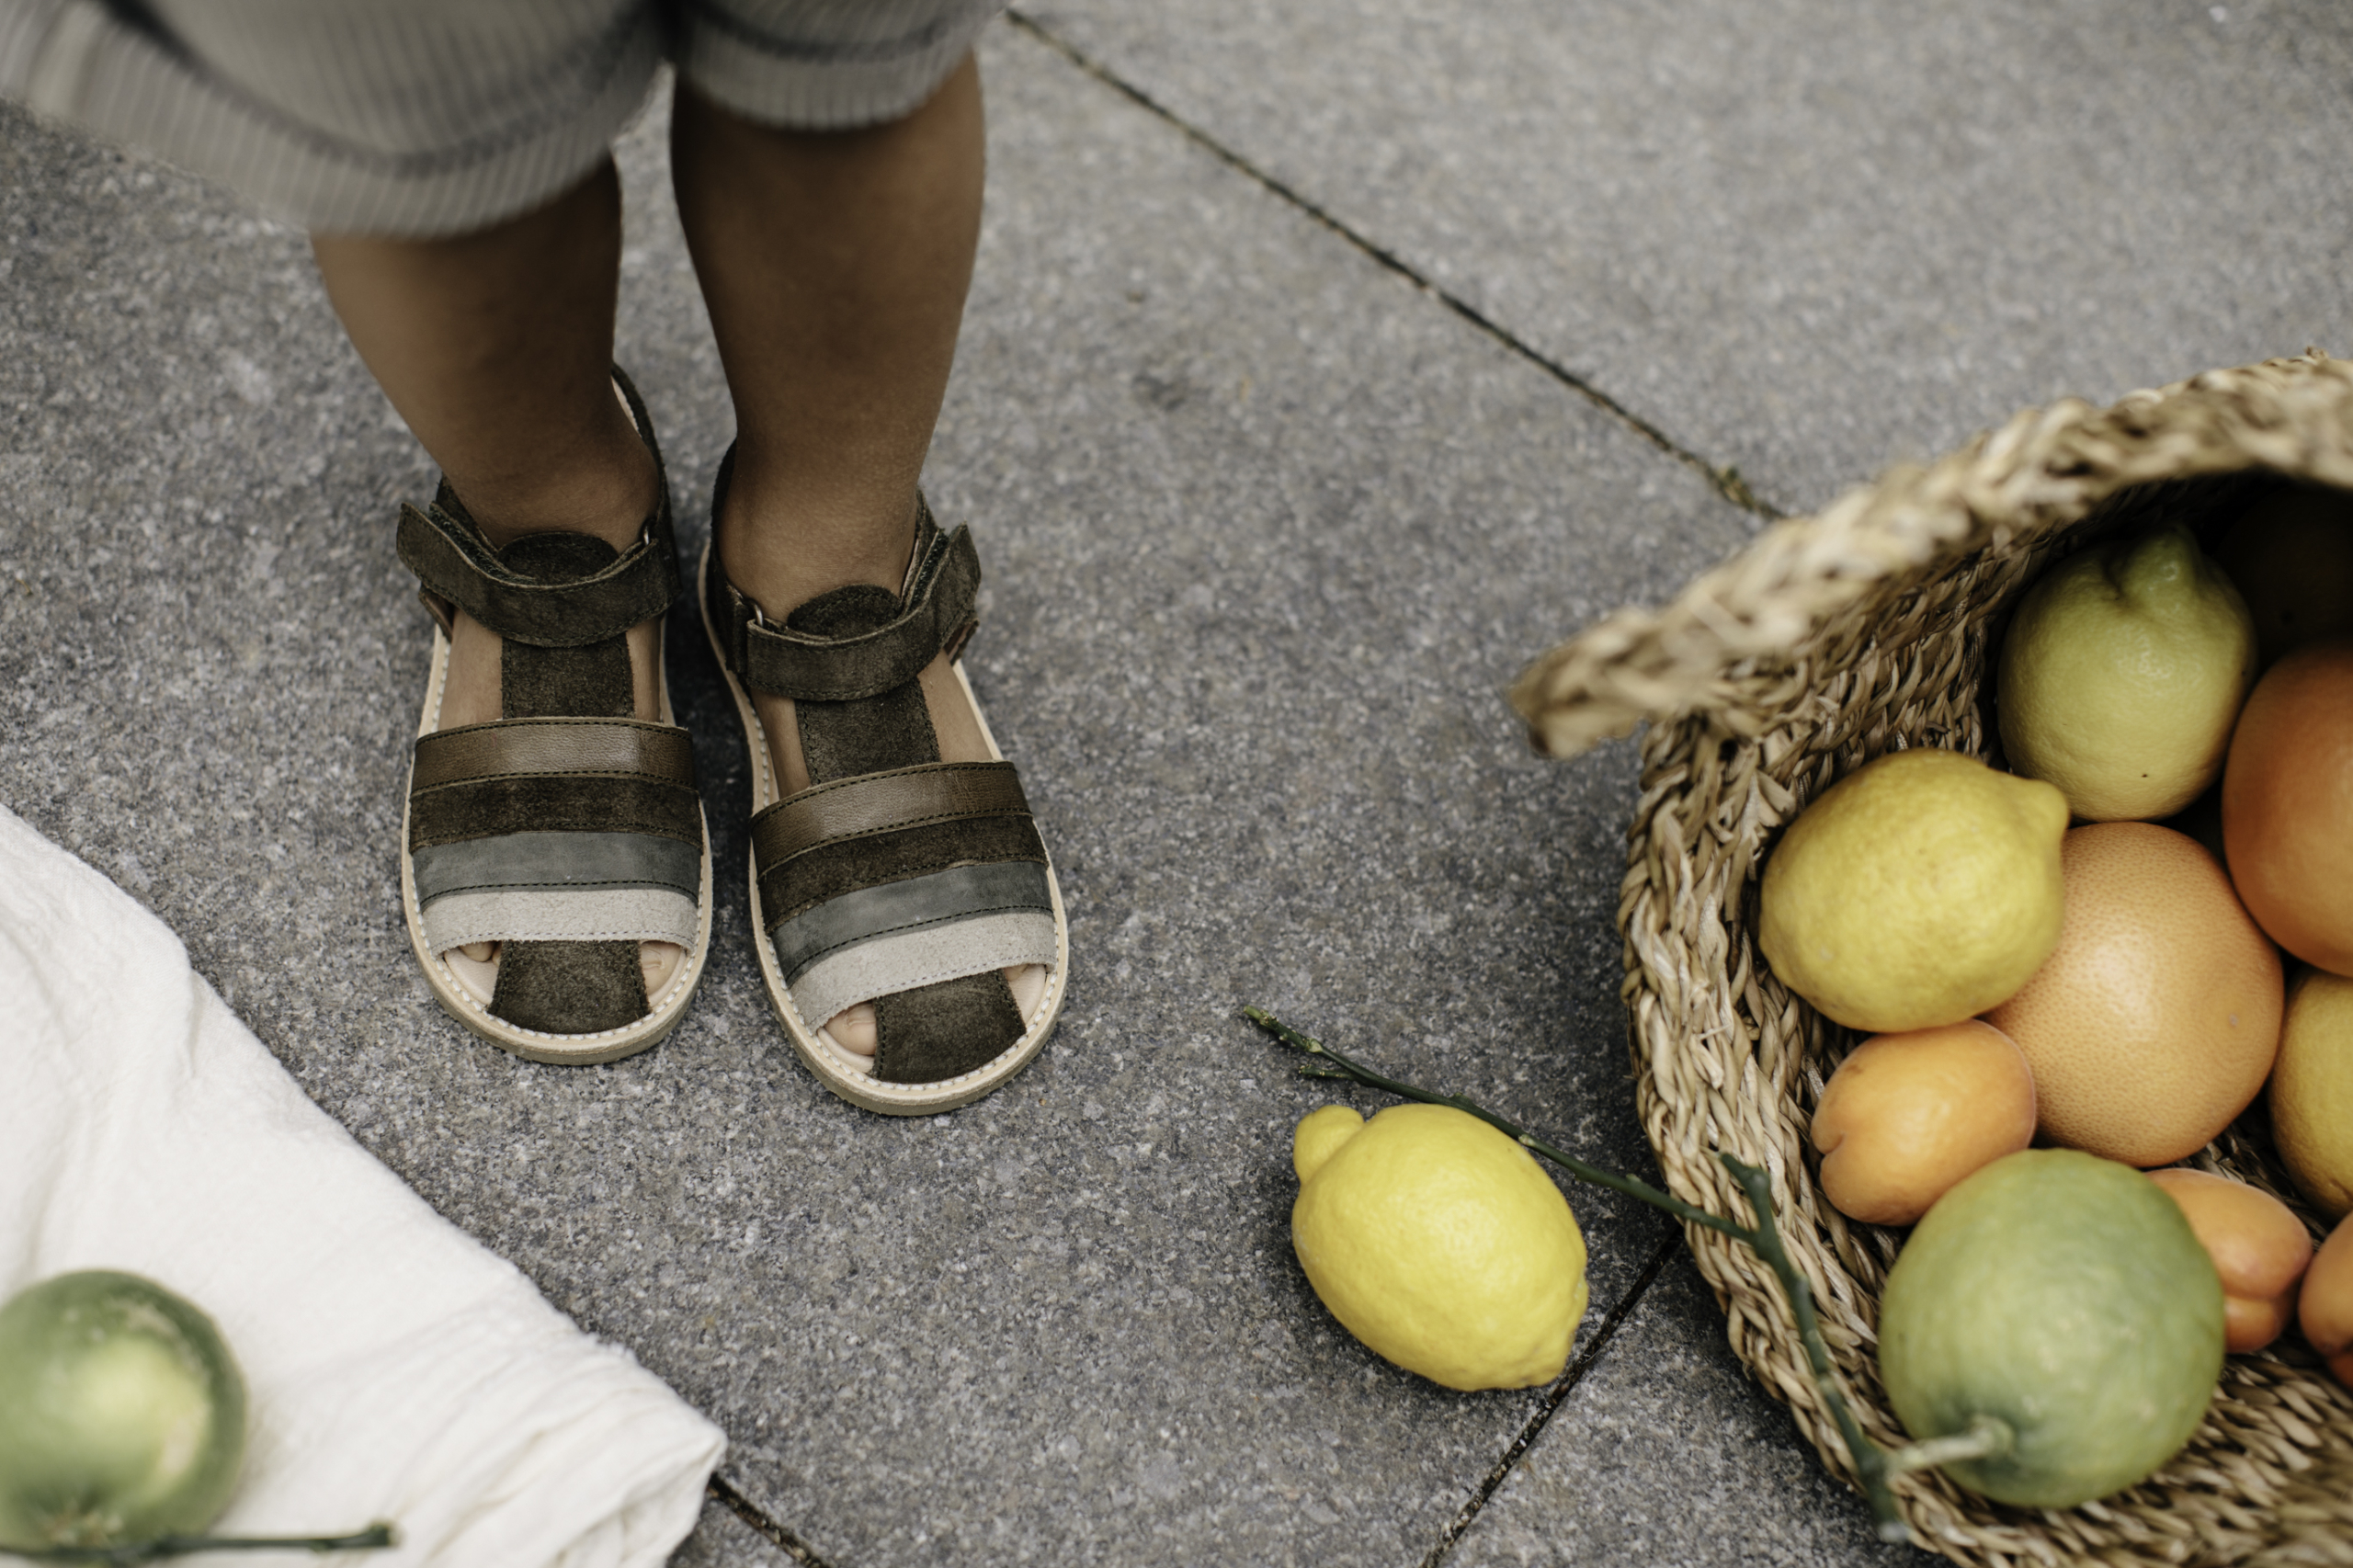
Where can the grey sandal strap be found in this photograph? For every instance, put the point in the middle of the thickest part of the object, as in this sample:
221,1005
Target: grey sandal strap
940,899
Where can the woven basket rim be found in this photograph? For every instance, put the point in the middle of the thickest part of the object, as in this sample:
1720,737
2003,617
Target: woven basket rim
2042,469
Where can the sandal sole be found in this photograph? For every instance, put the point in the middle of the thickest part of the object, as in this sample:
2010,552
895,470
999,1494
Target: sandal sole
573,1050
863,1089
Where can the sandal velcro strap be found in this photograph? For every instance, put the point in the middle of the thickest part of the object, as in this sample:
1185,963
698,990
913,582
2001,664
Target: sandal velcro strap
936,615
454,562
504,746
875,803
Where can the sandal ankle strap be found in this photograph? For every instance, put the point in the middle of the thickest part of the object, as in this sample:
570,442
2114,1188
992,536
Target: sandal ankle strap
455,564
936,615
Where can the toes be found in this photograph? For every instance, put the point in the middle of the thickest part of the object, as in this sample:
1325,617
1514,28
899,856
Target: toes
659,961
474,967
852,1029
1028,983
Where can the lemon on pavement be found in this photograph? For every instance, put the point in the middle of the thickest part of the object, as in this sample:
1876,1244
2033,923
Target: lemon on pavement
2122,672
1439,1243
1918,891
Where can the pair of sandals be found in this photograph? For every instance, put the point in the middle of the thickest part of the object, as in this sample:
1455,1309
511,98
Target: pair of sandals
555,863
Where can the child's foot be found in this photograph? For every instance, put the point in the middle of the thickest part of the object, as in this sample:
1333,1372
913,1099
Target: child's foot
473,690
770,582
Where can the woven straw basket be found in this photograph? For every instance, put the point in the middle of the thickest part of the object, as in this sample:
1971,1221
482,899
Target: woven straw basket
1831,641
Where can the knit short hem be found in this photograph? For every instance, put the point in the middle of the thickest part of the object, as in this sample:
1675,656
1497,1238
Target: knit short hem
360,129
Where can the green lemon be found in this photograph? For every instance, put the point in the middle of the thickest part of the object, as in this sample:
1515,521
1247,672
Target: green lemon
1439,1243
2066,1297
2122,672
123,1414
1918,891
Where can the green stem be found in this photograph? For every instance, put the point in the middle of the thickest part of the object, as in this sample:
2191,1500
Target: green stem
1988,1437
137,1551
1873,1463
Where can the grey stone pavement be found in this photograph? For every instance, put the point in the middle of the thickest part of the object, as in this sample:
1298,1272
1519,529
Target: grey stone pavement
1327,361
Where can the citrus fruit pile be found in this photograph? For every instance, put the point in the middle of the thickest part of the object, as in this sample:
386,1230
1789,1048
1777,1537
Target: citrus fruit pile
2118,991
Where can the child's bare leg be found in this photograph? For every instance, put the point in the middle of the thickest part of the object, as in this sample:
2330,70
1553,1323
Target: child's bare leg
835,265
496,349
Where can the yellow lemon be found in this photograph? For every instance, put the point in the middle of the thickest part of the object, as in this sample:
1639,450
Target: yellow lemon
2122,672
1439,1243
2312,1090
1918,891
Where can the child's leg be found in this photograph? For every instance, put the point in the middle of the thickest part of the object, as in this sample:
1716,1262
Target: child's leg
496,348
835,265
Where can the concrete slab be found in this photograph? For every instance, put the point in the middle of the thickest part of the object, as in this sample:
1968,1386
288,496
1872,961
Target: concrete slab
1267,531
1667,1453
1806,237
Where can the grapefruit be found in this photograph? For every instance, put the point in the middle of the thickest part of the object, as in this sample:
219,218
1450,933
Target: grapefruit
2156,1018
2288,805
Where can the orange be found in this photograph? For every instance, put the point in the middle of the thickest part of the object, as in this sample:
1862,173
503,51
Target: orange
1908,1115
2288,805
2155,1019
2259,1247
2326,1310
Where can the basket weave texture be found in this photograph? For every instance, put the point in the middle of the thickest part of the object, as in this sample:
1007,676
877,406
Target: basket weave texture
1831,641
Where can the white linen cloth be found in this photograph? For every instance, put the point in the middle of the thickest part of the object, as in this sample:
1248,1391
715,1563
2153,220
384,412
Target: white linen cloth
396,1370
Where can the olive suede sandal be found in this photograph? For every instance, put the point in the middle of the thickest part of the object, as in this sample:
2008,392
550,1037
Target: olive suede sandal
894,878
567,831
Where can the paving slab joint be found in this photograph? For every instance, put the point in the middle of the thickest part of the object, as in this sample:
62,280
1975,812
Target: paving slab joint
1726,479
1554,1397
723,1491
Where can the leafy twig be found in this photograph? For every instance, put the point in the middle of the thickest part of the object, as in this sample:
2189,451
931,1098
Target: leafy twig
1873,1464
131,1553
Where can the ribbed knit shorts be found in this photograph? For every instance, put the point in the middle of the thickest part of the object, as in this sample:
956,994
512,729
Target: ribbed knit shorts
435,117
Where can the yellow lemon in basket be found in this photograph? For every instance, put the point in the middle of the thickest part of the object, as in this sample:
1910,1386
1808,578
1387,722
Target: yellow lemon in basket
1920,890
1439,1243
2312,1090
2122,675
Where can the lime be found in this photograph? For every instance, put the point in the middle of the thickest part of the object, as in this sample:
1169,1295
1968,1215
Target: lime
123,1414
2066,1297
1439,1243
